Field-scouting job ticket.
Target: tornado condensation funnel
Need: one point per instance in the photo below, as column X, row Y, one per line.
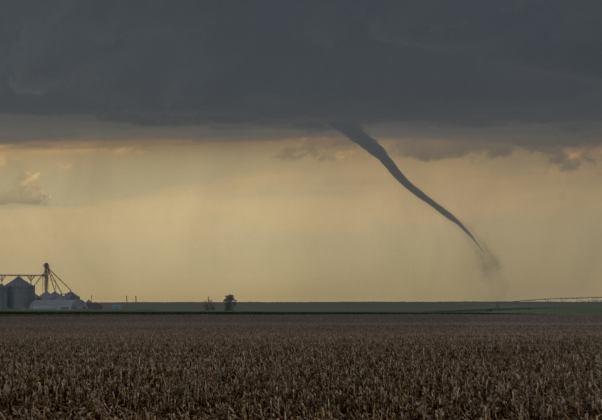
column 356, row 134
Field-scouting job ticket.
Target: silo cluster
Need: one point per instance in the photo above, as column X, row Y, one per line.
column 20, row 294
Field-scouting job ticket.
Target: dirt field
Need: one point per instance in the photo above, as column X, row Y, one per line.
column 300, row 366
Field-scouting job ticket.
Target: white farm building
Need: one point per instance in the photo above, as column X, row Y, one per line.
column 58, row 304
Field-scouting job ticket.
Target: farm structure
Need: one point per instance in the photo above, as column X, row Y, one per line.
column 20, row 294
column 58, row 304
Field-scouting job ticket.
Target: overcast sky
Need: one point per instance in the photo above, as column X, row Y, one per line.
column 175, row 150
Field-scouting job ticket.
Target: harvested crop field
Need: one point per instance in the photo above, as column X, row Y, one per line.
column 300, row 366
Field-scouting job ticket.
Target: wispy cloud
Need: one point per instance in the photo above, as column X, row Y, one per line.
column 323, row 149
column 25, row 191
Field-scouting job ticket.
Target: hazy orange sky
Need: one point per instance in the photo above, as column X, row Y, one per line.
column 176, row 220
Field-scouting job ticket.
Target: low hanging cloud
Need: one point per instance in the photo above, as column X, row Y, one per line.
column 427, row 149
column 25, row 191
column 435, row 149
column 322, row 149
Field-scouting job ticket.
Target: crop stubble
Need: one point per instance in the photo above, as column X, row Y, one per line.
column 314, row 366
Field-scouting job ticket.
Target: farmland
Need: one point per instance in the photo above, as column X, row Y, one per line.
column 362, row 307
column 300, row 366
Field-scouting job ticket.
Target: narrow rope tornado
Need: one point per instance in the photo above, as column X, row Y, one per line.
column 357, row 135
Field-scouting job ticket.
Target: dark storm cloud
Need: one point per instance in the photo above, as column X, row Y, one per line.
column 287, row 63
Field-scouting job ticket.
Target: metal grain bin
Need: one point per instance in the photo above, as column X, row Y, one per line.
column 46, row 296
column 71, row 296
column 19, row 294
column 2, row 297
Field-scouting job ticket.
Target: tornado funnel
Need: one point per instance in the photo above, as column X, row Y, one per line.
column 356, row 134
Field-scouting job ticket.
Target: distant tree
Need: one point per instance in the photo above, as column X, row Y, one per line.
column 209, row 306
column 229, row 303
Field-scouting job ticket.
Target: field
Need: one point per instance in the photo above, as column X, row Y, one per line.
column 361, row 307
column 300, row 366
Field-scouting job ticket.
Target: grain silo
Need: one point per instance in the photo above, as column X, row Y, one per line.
column 45, row 296
column 19, row 294
column 56, row 296
column 2, row 297
column 71, row 296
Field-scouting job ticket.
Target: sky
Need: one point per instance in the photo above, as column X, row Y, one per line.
column 174, row 152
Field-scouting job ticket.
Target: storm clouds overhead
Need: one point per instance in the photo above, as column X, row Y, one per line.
column 297, row 63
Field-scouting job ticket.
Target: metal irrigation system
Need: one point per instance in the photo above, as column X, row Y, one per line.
column 566, row 299
column 49, row 277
